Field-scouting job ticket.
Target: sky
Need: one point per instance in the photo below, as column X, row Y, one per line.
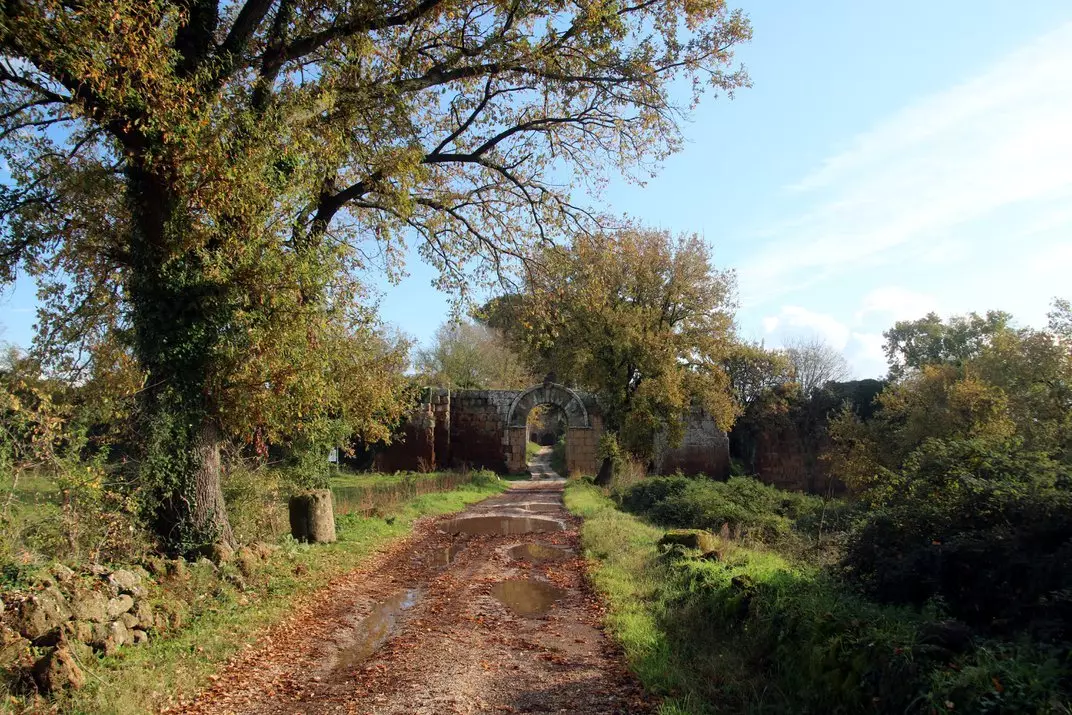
column 889, row 160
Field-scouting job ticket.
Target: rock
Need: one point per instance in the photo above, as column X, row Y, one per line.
column 97, row 570
column 691, row 539
column 119, row 605
column 949, row 635
column 246, row 560
column 144, row 613
column 110, row 637
column 140, row 637
column 312, row 518
column 16, row 652
column 89, row 605
column 42, row 614
column 57, row 671
column 78, row 631
column 62, row 573
column 176, row 568
column 127, row 582
column 220, row 553
column 129, row 620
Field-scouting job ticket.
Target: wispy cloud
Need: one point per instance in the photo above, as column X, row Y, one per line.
column 913, row 182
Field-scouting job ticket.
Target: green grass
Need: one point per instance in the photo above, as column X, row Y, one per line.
column 756, row 632
column 143, row 679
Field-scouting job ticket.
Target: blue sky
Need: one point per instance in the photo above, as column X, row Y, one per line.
column 890, row 159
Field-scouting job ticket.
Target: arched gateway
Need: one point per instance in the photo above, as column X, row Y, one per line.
column 582, row 436
column 486, row 429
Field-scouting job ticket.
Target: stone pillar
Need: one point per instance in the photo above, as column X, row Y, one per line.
column 312, row 518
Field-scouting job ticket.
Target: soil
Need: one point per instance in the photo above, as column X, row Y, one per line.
column 422, row 629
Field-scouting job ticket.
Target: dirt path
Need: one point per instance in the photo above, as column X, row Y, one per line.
column 486, row 612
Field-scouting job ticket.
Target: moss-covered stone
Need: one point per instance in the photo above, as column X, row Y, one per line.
column 691, row 539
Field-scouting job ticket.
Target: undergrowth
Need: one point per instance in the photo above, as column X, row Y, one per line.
column 747, row 630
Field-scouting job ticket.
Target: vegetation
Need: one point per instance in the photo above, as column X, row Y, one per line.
column 200, row 188
column 637, row 316
column 260, row 587
column 748, row 629
column 471, row 356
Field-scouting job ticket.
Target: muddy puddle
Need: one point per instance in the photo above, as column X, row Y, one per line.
column 538, row 553
column 527, row 597
column 441, row 558
column 377, row 627
column 501, row 525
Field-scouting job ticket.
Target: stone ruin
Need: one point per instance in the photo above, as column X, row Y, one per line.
column 487, row 429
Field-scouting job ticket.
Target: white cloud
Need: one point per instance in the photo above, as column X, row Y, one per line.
column 794, row 320
column 896, row 303
column 866, row 356
column 912, row 183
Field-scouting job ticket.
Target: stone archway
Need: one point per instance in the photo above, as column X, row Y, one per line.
column 582, row 427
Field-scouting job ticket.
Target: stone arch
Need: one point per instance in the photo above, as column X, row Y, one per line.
column 582, row 427
column 549, row 394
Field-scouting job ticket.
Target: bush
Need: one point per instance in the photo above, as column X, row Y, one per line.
column 741, row 506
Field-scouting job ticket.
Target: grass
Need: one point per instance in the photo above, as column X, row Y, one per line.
column 168, row 669
column 755, row 632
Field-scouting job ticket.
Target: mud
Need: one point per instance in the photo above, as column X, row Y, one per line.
column 448, row 621
column 538, row 553
column 527, row 597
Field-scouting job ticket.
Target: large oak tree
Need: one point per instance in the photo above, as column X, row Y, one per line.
column 204, row 182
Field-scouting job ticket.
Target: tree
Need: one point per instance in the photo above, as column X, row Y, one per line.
column 815, row 363
column 753, row 371
column 472, row 356
column 911, row 344
column 203, row 183
column 639, row 317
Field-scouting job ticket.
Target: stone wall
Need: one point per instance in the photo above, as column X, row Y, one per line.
column 705, row 449
column 414, row 449
column 477, row 429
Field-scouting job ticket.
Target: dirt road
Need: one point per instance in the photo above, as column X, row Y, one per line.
column 488, row 611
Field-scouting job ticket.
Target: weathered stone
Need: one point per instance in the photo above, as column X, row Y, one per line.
column 42, row 613
column 78, row 631
column 16, row 652
column 119, row 605
column 127, row 582
column 312, row 518
column 129, row 620
column 97, row 570
column 691, row 539
column 246, row 560
column 140, row 636
column 144, row 613
column 62, row 573
column 110, row 637
column 57, row 671
column 89, row 605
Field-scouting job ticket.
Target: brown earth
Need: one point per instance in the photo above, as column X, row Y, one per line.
column 420, row 629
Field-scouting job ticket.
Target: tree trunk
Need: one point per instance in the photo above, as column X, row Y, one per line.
column 208, row 512
column 181, row 311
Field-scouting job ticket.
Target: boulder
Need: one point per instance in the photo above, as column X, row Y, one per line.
column 144, row 613
column 312, row 518
column 42, row 613
column 89, row 605
column 78, row 631
column 57, row 671
column 691, row 539
column 127, row 582
column 119, row 605
column 129, row 620
column 16, row 652
column 62, row 573
column 140, row 637
column 110, row 637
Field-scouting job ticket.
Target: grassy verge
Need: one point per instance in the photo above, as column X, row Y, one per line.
column 748, row 630
column 145, row 678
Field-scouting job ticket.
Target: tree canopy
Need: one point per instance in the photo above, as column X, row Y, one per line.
column 201, row 185
column 638, row 316
column 467, row 355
